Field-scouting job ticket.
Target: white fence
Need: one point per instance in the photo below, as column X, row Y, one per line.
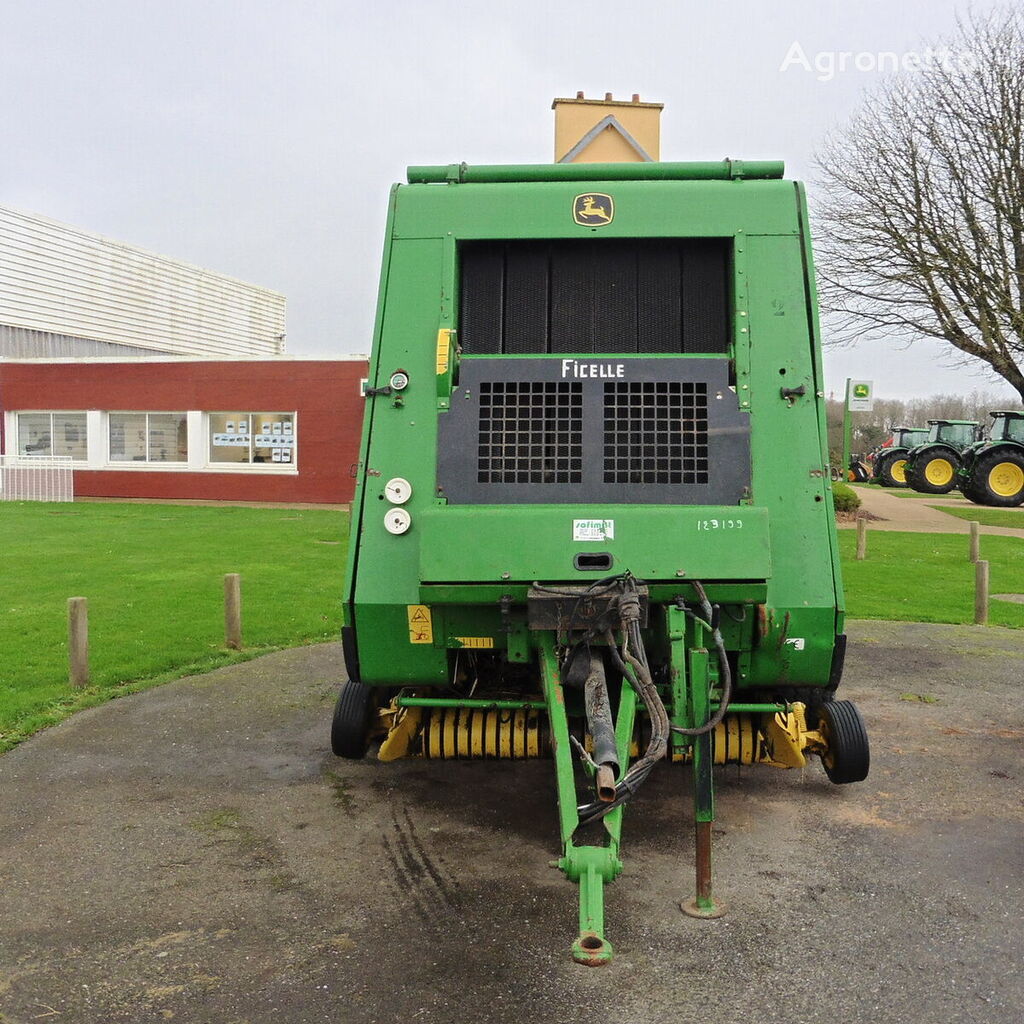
column 36, row 478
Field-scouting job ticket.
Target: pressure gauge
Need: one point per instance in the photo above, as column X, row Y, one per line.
column 398, row 490
column 399, row 380
column 397, row 521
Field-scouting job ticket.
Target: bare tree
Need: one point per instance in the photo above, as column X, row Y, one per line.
column 922, row 203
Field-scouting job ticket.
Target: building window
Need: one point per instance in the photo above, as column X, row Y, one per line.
column 148, row 437
column 53, row 433
column 249, row 438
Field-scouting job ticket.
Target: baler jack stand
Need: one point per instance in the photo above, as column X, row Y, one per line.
column 691, row 707
column 591, row 866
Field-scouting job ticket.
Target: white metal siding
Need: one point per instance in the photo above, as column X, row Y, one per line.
column 62, row 280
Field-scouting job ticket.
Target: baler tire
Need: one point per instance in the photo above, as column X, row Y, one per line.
column 849, row 755
column 350, row 728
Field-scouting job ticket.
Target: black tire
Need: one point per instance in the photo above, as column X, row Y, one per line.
column 998, row 479
column 857, row 474
column 849, row 755
column 941, row 465
column 884, row 469
column 350, row 728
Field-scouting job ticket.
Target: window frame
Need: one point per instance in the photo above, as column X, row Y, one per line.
column 172, row 465
column 291, row 466
column 18, row 413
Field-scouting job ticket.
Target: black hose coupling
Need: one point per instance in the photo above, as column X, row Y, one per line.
column 629, row 607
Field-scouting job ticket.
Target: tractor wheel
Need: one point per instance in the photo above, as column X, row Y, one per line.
column 350, row 728
column 857, row 474
column 891, row 471
column 848, row 757
column 998, row 479
column 934, row 472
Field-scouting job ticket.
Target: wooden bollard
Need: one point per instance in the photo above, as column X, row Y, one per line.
column 975, row 541
column 862, row 538
column 78, row 641
column 233, row 611
column 980, row 593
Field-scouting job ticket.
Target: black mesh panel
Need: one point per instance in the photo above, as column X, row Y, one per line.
column 526, row 301
column 594, row 297
column 530, row 432
column 656, row 432
column 483, row 298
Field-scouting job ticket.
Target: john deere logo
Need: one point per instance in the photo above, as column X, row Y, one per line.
column 592, row 209
column 862, row 391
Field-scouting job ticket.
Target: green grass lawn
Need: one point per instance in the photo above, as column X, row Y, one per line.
column 1011, row 517
column 153, row 575
column 926, row 577
column 154, row 578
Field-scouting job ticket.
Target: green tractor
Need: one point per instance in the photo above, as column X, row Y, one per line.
column 992, row 471
column 932, row 467
column 592, row 519
column 889, row 464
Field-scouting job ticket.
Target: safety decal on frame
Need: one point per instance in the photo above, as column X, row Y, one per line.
column 483, row 643
column 421, row 624
column 593, row 529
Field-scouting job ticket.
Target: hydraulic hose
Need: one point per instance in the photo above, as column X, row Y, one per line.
column 632, row 663
column 723, row 668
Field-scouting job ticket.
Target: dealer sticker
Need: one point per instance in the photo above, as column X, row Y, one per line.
column 593, row 529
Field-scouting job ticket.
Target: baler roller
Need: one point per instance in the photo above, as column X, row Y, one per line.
column 477, row 734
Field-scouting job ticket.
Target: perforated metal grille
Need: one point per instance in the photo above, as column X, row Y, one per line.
column 655, row 432
column 531, row 432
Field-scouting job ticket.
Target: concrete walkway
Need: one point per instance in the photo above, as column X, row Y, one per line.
column 916, row 516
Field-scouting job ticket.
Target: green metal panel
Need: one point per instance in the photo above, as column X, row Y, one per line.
column 536, row 542
column 654, row 209
column 454, row 558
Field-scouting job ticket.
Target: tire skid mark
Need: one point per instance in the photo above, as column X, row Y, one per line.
column 408, row 835
column 407, row 889
column 420, row 883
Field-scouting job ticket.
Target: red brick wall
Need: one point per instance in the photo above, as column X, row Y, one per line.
column 325, row 394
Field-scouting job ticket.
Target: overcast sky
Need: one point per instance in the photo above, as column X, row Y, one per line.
column 260, row 139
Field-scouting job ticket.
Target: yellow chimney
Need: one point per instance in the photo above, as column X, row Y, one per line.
column 606, row 131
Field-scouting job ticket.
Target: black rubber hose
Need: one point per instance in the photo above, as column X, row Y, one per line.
column 723, row 667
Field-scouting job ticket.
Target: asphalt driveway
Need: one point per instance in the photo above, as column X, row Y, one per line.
column 196, row 854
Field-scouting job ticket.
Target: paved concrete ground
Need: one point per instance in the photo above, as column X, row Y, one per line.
column 914, row 514
column 195, row 854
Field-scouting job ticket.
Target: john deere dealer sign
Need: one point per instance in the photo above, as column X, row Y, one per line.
column 862, row 395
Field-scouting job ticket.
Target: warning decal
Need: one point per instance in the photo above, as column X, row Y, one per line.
column 421, row 625
column 477, row 642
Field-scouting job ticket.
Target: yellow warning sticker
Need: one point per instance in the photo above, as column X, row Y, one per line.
column 421, row 625
column 444, row 347
column 479, row 642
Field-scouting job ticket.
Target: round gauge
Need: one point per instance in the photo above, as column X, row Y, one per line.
column 398, row 490
column 399, row 380
column 397, row 521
